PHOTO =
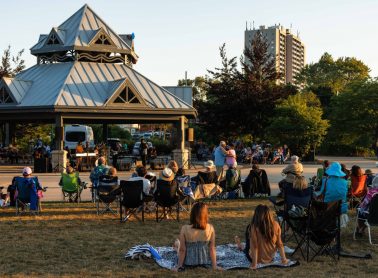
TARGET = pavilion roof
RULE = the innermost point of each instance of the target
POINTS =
(87, 84)
(79, 32)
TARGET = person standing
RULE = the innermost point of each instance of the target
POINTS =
(79, 149)
(219, 156)
(143, 150)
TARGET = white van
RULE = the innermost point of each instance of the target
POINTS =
(78, 133)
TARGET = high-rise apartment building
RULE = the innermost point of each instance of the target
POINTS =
(286, 48)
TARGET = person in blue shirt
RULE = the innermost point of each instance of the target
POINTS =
(335, 188)
(219, 157)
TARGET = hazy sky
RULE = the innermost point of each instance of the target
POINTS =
(174, 36)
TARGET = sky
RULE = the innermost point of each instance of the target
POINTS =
(174, 36)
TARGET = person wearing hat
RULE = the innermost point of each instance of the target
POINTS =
(364, 208)
(335, 188)
(35, 188)
(369, 177)
(220, 154)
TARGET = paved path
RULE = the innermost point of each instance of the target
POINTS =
(274, 173)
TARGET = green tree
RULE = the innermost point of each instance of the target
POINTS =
(329, 77)
(354, 117)
(11, 65)
(298, 122)
(199, 85)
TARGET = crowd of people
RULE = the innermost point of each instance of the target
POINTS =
(196, 243)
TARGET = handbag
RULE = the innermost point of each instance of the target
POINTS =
(322, 195)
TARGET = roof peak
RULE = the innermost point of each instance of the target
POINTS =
(79, 36)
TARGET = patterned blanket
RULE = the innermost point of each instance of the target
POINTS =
(228, 257)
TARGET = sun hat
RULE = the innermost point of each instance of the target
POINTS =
(167, 174)
(209, 164)
(26, 171)
(335, 170)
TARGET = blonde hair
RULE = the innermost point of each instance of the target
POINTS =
(173, 166)
(300, 183)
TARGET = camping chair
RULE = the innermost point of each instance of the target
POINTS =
(107, 192)
(166, 196)
(207, 186)
(358, 190)
(71, 187)
(323, 227)
(372, 218)
(183, 183)
(25, 199)
(132, 199)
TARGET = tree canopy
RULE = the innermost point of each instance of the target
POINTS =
(11, 65)
(298, 122)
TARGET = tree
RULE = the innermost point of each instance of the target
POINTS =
(329, 77)
(354, 117)
(11, 65)
(298, 122)
(199, 85)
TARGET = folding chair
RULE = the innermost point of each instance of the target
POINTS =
(132, 199)
(358, 190)
(184, 185)
(26, 197)
(323, 227)
(71, 187)
(108, 191)
(166, 196)
(372, 217)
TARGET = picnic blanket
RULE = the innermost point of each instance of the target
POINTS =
(228, 257)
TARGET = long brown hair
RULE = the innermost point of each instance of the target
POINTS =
(263, 221)
(199, 216)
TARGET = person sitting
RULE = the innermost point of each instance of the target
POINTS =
(207, 176)
(320, 173)
(70, 171)
(173, 166)
(277, 155)
(263, 238)
(369, 177)
(256, 182)
(196, 244)
(34, 187)
(233, 178)
(295, 168)
(71, 183)
(99, 170)
(335, 188)
(358, 186)
(142, 172)
(363, 211)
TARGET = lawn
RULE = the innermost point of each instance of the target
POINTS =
(71, 240)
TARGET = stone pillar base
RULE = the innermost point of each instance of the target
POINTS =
(59, 161)
(181, 157)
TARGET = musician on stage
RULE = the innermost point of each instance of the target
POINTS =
(79, 149)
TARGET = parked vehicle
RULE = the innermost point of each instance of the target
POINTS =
(78, 133)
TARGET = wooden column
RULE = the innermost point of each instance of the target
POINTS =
(59, 133)
(182, 133)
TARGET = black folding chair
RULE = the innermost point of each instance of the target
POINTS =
(166, 196)
(132, 199)
(108, 191)
(322, 229)
(371, 219)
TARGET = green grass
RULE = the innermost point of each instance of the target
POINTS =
(71, 240)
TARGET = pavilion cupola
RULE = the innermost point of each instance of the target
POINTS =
(85, 37)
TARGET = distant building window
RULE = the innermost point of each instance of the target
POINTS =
(4, 96)
(53, 39)
(102, 39)
(127, 96)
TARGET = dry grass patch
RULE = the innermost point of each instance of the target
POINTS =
(71, 240)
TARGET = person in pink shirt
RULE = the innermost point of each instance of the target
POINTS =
(231, 156)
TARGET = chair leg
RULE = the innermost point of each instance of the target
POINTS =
(368, 226)
(120, 211)
(143, 212)
(356, 227)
